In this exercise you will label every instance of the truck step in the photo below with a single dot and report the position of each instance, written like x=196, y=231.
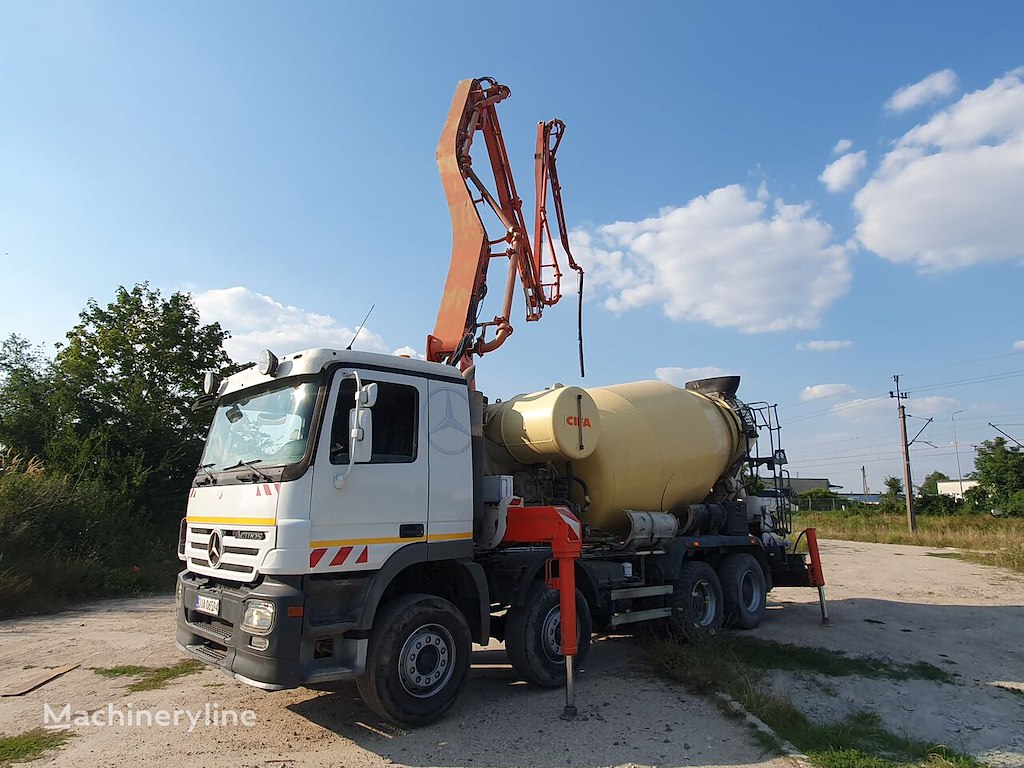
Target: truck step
x=634, y=616
x=628, y=592
x=207, y=654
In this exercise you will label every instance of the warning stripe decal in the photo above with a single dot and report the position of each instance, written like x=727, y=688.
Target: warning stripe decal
x=316, y=556
x=343, y=553
x=357, y=552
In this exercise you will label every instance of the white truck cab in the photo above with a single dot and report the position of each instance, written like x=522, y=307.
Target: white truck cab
x=328, y=478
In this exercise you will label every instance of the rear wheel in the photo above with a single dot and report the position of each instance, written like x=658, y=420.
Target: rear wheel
x=533, y=636
x=417, y=659
x=697, y=605
x=744, y=590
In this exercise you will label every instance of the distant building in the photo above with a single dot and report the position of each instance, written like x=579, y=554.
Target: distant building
x=803, y=484
x=953, y=488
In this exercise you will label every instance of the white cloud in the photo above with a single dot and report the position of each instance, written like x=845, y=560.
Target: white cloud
x=725, y=259
x=865, y=409
x=930, y=406
x=842, y=146
x=1018, y=345
x=818, y=391
x=935, y=86
x=409, y=352
x=257, y=322
x=947, y=195
x=822, y=345
x=841, y=173
x=679, y=376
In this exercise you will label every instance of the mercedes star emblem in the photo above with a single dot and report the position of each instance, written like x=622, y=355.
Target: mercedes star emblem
x=215, y=549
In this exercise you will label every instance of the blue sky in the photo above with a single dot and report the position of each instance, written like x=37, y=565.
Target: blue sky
x=814, y=196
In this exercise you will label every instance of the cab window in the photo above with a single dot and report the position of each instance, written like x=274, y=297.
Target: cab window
x=395, y=423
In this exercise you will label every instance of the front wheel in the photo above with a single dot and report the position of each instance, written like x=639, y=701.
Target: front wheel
x=697, y=605
x=417, y=659
x=533, y=636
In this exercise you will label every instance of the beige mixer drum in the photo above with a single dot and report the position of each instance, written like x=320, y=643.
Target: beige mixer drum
x=554, y=425
x=661, y=447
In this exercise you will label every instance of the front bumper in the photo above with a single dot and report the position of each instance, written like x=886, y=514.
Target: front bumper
x=296, y=653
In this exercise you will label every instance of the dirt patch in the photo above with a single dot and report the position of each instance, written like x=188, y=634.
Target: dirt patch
x=902, y=604
x=627, y=718
x=891, y=601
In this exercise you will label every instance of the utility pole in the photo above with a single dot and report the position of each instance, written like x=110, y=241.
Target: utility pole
x=956, y=450
x=864, y=480
x=908, y=491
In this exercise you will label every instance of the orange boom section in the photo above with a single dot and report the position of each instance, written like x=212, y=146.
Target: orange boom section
x=459, y=334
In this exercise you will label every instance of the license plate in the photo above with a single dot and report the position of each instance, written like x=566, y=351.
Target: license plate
x=210, y=605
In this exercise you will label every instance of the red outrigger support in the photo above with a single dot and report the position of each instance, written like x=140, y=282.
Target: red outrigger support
x=561, y=529
x=815, y=576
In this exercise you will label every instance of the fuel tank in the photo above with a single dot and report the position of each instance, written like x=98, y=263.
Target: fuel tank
x=645, y=446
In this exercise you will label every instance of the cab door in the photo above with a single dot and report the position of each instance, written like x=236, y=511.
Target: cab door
x=361, y=513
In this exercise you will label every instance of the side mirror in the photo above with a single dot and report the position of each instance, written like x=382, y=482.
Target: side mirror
x=367, y=395
x=360, y=422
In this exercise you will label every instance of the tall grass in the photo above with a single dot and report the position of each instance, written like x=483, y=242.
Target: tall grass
x=984, y=539
x=64, y=541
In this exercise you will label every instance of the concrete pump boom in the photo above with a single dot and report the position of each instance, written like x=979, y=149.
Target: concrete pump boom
x=458, y=334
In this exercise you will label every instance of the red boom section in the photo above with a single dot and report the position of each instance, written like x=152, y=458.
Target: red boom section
x=455, y=339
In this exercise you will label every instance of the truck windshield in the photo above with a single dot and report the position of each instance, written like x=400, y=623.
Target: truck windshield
x=268, y=428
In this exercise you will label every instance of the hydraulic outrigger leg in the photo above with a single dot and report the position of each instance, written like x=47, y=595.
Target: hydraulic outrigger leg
x=558, y=527
x=816, y=576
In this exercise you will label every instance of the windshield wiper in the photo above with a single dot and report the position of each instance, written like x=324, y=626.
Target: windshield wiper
x=210, y=477
x=256, y=473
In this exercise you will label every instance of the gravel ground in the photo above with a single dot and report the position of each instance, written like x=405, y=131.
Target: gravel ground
x=626, y=717
x=906, y=604
x=885, y=600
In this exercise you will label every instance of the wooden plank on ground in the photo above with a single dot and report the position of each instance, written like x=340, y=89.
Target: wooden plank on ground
x=21, y=687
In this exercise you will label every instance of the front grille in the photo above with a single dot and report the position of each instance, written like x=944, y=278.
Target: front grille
x=242, y=550
x=241, y=554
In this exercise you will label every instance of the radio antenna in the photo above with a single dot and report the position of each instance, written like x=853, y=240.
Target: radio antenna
x=356, y=336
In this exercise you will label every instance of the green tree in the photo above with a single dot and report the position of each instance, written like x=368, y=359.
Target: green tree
x=930, y=486
x=999, y=470
x=892, y=501
x=110, y=419
x=122, y=387
x=26, y=420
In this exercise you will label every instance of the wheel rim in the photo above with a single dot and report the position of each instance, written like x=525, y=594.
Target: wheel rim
x=704, y=602
x=427, y=661
x=750, y=592
x=551, y=635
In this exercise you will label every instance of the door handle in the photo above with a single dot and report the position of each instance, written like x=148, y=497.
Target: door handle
x=410, y=531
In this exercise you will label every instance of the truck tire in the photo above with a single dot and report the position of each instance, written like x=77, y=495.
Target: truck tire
x=698, y=609
x=533, y=638
x=744, y=590
x=417, y=658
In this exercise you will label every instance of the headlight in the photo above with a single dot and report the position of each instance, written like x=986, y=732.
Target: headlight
x=177, y=593
x=259, y=617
